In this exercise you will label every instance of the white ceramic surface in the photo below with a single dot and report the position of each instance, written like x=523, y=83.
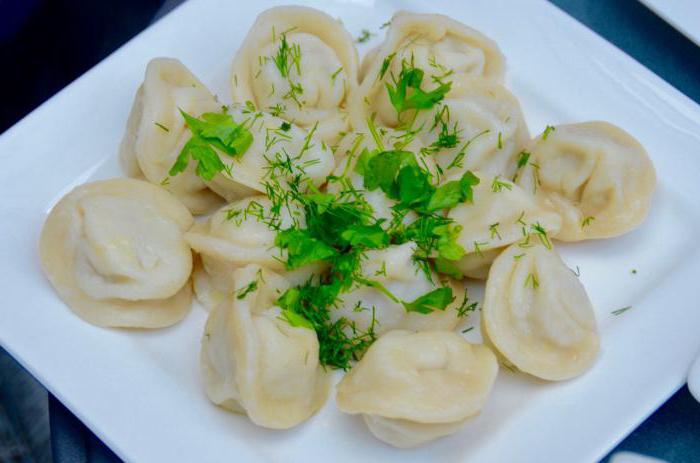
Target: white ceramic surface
x=140, y=391
x=684, y=15
x=694, y=379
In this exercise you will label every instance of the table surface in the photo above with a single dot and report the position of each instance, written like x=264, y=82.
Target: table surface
x=672, y=433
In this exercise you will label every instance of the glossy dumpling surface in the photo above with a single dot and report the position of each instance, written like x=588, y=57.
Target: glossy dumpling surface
x=114, y=251
x=537, y=315
x=276, y=145
x=415, y=387
x=490, y=125
x=239, y=234
x=597, y=176
x=500, y=214
x=436, y=44
x=156, y=131
x=396, y=270
x=254, y=362
x=299, y=60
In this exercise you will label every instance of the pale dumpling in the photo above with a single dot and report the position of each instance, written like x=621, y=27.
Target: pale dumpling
x=239, y=234
x=537, y=315
x=279, y=151
x=396, y=270
x=115, y=253
x=490, y=127
x=500, y=214
x=412, y=388
x=300, y=63
x=255, y=362
x=156, y=132
x=596, y=176
x=438, y=45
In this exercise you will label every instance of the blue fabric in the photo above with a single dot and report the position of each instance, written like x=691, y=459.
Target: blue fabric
x=673, y=432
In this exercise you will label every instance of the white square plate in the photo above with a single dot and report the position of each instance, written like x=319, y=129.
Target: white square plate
x=140, y=391
x=684, y=15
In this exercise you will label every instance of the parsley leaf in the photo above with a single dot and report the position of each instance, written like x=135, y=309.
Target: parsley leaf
x=210, y=131
x=436, y=299
x=405, y=93
x=302, y=248
x=221, y=131
x=368, y=236
x=208, y=162
x=454, y=192
x=295, y=319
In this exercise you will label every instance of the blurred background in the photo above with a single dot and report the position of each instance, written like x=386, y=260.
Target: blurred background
x=46, y=44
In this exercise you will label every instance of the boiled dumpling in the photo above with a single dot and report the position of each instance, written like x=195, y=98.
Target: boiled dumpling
x=537, y=315
x=156, y=131
x=500, y=214
x=279, y=151
x=115, y=253
x=597, y=177
x=396, y=270
x=237, y=235
x=300, y=63
x=255, y=362
x=489, y=124
x=438, y=45
x=412, y=388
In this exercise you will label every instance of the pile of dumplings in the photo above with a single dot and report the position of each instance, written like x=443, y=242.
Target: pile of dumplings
x=127, y=252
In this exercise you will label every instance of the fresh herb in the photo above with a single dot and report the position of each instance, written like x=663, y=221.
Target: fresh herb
x=621, y=311
x=500, y=140
x=466, y=307
x=457, y=161
x=547, y=131
x=531, y=281
x=335, y=74
x=497, y=185
x=211, y=132
x=365, y=35
x=493, y=231
x=385, y=65
x=437, y=299
x=287, y=57
x=523, y=158
x=406, y=92
x=587, y=221
x=541, y=233
x=250, y=287
x=453, y=192
x=161, y=126
x=477, y=248
x=285, y=126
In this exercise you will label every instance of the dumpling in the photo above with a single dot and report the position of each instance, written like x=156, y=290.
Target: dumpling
x=156, y=131
x=396, y=270
x=596, y=176
x=239, y=234
x=439, y=46
x=500, y=214
x=300, y=63
x=279, y=151
x=255, y=362
x=490, y=128
x=537, y=315
x=115, y=253
x=412, y=388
